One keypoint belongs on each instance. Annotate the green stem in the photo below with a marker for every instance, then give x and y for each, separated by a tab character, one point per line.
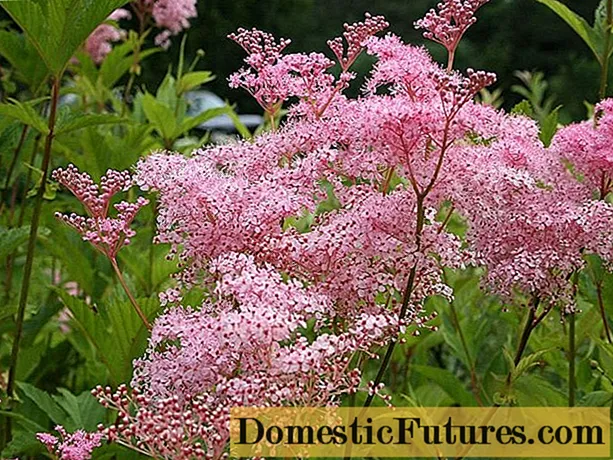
125	287
572	351
27	272
603	314
474	381
604	75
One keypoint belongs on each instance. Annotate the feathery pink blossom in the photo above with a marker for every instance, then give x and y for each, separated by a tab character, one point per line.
99	43
70	446
107	234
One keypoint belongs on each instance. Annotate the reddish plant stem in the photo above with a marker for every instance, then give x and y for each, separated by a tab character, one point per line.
125	287
27	273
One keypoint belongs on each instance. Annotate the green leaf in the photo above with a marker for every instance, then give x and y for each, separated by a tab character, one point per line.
161	116
11	239
549	127
578	24
24	421
84	411
21	443
192	80
535	391
45	402
448	382
239	125
25	113
192	122
57	28
526	363
23	57
77	121
523	108
597	399
119	61
115	331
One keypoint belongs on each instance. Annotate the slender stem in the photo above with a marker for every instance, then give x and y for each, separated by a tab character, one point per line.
525	336
603	314
523	341
125	287
405	301
572	351
271	118
27	273
604	75
450	59
474	381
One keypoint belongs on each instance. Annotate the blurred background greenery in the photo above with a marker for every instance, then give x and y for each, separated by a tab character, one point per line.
510	35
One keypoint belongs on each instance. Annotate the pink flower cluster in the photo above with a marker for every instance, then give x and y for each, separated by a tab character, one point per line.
172	16
107	234
70	446
316	243
313	244
272	77
99	44
448	25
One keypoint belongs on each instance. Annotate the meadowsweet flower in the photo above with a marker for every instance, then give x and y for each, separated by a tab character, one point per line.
172	16
107	234
99	43
448	23
328	224
70	446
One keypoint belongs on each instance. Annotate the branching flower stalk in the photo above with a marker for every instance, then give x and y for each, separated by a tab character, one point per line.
107	234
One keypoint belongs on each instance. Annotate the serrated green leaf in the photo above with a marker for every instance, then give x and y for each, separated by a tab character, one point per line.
535	391
119	61
527	362
56	29
115	331
597	399
523	108
76	121
549	126
11	239
45	402
84	411
578	24
25	113
21	443
23	57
